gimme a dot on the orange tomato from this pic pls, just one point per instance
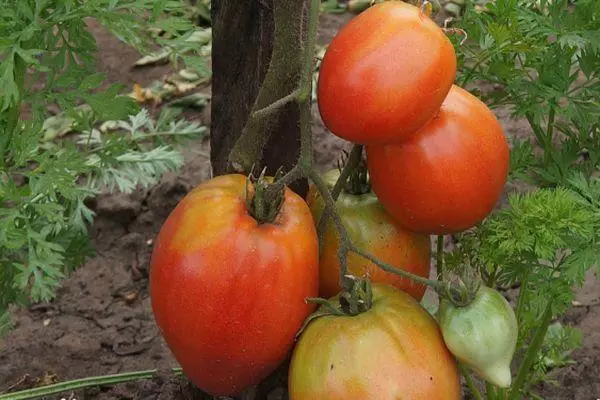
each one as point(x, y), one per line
point(372, 229)
point(228, 293)
point(385, 74)
point(395, 350)
point(447, 177)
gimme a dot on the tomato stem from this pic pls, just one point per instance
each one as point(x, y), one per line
point(283, 83)
point(470, 384)
point(276, 105)
point(400, 272)
point(347, 246)
point(77, 384)
point(490, 391)
point(265, 203)
point(531, 353)
point(350, 165)
point(440, 256)
point(358, 182)
point(352, 161)
point(345, 283)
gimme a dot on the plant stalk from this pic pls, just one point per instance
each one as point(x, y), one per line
point(531, 353)
point(490, 391)
point(521, 301)
point(77, 384)
point(470, 384)
point(351, 163)
point(304, 97)
point(278, 86)
point(440, 256)
point(344, 247)
point(400, 272)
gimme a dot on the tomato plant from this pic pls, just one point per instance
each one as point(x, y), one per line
point(448, 176)
point(371, 228)
point(217, 301)
point(222, 282)
point(394, 349)
point(482, 334)
point(385, 74)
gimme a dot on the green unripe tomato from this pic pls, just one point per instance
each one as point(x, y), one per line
point(482, 335)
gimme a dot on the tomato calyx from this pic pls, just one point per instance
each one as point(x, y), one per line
point(348, 303)
point(358, 182)
point(262, 202)
point(462, 287)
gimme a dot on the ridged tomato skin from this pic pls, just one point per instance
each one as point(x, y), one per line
point(372, 229)
point(228, 294)
point(393, 351)
point(450, 175)
point(385, 74)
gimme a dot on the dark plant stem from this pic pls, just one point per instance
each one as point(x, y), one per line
point(351, 163)
point(344, 247)
point(285, 66)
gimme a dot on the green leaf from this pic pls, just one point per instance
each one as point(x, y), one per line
point(136, 168)
point(29, 55)
point(10, 90)
point(25, 9)
point(92, 81)
point(107, 106)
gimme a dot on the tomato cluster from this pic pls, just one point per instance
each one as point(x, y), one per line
point(229, 288)
point(437, 156)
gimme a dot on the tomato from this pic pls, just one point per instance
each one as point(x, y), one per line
point(227, 292)
point(372, 229)
point(385, 74)
point(482, 335)
point(449, 176)
point(392, 351)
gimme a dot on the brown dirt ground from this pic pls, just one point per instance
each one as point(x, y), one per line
point(101, 322)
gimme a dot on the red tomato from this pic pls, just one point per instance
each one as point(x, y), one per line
point(385, 74)
point(372, 229)
point(394, 350)
point(449, 176)
point(227, 292)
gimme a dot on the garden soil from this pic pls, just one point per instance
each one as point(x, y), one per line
point(101, 321)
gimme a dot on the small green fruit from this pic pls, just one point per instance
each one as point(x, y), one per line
point(482, 335)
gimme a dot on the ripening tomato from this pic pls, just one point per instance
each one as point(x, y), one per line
point(447, 177)
point(385, 74)
point(372, 229)
point(221, 284)
point(392, 351)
